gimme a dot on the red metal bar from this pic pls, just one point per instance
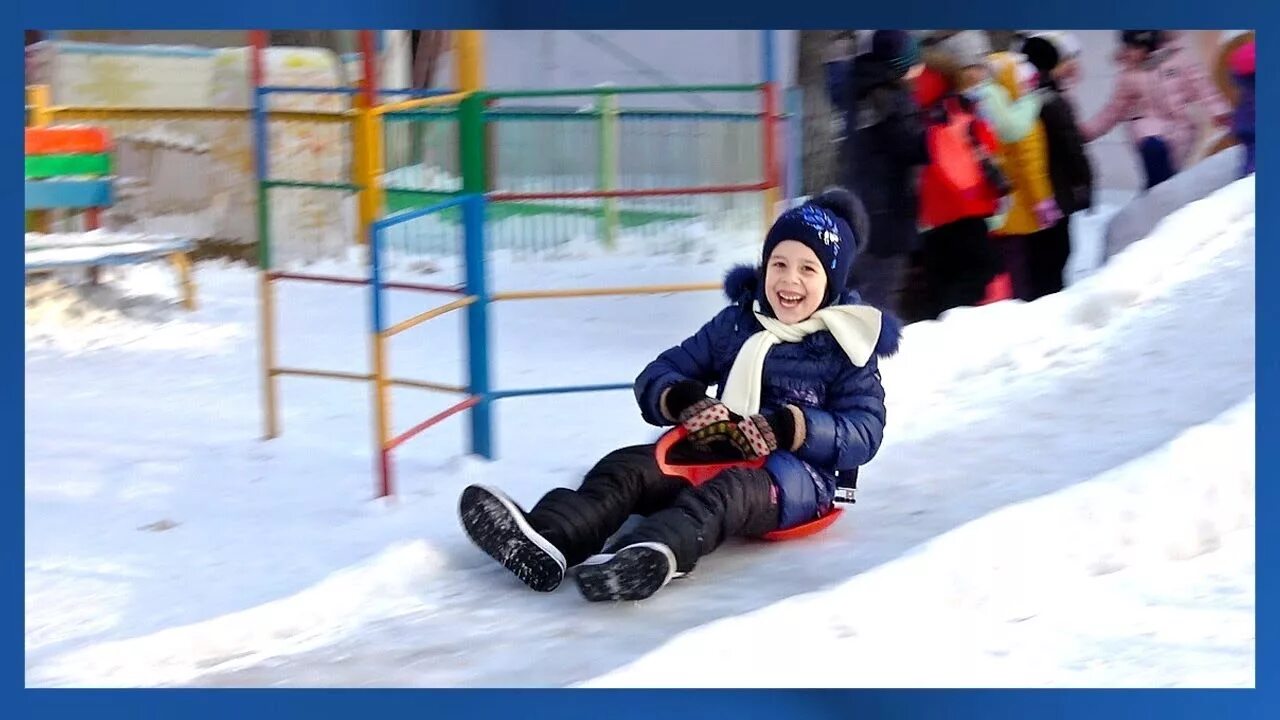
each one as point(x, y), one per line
point(502, 196)
point(338, 280)
point(369, 58)
point(770, 125)
point(334, 279)
point(257, 39)
point(434, 419)
point(384, 473)
point(453, 290)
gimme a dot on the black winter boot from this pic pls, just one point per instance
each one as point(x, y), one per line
point(497, 525)
point(736, 503)
point(567, 526)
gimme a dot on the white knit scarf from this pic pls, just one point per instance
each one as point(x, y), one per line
point(855, 327)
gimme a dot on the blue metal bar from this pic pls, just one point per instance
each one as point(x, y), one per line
point(375, 279)
point(477, 285)
point(766, 41)
point(308, 90)
point(500, 394)
point(405, 216)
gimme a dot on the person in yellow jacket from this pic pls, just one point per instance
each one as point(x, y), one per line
point(1025, 162)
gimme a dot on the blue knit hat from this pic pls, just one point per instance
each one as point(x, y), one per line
point(833, 225)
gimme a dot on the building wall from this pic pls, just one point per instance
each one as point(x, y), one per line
point(576, 58)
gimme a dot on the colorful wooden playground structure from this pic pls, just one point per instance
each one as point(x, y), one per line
point(474, 108)
point(68, 169)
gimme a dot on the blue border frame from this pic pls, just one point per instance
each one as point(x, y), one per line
point(738, 705)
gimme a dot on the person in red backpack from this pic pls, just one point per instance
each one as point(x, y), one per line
point(960, 189)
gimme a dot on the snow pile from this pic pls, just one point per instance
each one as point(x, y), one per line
point(66, 315)
point(1005, 600)
point(1044, 508)
point(384, 587)
point(1065, 330)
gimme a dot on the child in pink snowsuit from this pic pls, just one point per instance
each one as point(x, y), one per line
point(1157, 95)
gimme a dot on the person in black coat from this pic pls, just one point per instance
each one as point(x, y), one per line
point(884, 148)
point(1070, 174)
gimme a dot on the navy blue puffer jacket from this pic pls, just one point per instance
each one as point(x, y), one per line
point(843, 404)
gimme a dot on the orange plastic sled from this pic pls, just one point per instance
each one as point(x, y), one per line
point(698, 474)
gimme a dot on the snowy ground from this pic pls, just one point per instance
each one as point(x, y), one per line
point(1064, 497)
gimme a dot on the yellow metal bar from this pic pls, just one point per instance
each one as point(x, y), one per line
point(424, 385)
point(374, 156)
point(593, 292)
point(330, 374)
point(182, 264)
point(772, 196)
point(469, 65)
point(365, 172)
point(423, 317)
point(267, 331)
point(38, 99)
point(360, 174)
point(450, 99)
point(161, 113)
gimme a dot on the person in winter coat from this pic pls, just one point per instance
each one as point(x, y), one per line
point(1025, 161)
point(1243, 64)
point(957, 259)
point(1158, 98)
point(795, 360)
point(1040, 262)
point(884, 148)
point(962, 58)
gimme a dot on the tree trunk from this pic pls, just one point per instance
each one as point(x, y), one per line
point(427, 48)
point(819, 150)
point(1001, 39)
point(327, 39)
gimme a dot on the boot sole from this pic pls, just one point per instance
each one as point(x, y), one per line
point(497, 526)
point(633, 573)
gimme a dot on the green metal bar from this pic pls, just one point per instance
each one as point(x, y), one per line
point(46, 166)
point(636, 90)
point(424, 193)
point(501, 114)
point(689, 114)
point(310, 185)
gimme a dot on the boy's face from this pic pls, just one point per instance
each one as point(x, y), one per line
point(794, 282)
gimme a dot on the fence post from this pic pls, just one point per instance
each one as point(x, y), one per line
point(266, 292)
point(469, 74)
point(607, 107)
point(378, 347)
point(769, 98)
